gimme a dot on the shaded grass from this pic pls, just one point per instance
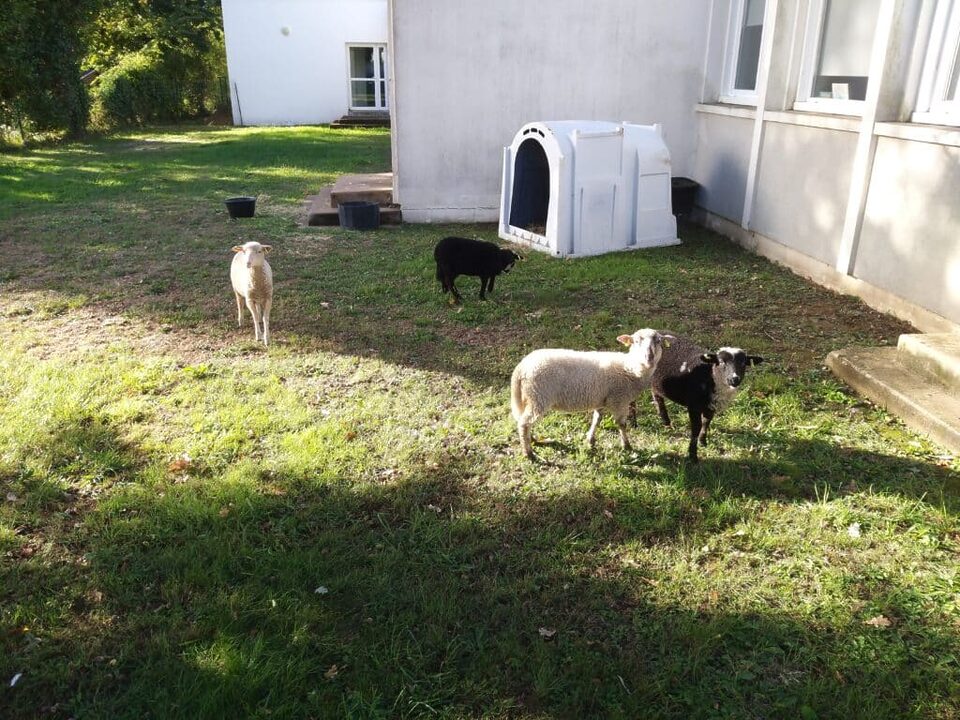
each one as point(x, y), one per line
point(174, 496)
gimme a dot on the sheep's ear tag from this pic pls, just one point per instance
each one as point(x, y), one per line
point(666, 343)
point(237, 248)
point(625, 339)
point(710, 358)
point(267, 248)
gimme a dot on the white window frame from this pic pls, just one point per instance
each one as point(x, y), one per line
point(938, 67)
point(731, 57)
point(806, 102)
point(381, 99)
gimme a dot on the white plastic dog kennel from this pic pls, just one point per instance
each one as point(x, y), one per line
point(577, 188)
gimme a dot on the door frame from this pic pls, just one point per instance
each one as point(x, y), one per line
point(379, 51)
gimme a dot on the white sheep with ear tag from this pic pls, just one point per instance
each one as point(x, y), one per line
point(575, 381)
point(252, 281)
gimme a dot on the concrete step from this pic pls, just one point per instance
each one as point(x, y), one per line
point(361, 119)
point(918, 398)
point(935, 353)
point(369, 187)
point(322, 212)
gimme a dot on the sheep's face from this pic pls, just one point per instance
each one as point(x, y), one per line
point(646, 347)
point(730, 364)
point(253, 252)
point(507, 259)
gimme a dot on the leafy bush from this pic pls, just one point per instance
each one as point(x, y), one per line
point(40, 52)
point(148, 85)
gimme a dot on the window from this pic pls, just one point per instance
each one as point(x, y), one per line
point(368, 77)
point(938, 99)
point(743, 51)
point(836, 57)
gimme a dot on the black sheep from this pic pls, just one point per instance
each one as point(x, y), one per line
point(463, 256)
point(703, 382)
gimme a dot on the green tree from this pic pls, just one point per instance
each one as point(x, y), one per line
point(41, 49)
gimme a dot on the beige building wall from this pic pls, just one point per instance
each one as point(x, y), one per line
point(910, 241)
point(803, 182)
point(722, 162)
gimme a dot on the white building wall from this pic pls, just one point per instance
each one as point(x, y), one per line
point(298, 77)
point(468, 75)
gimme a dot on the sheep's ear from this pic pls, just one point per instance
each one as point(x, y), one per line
point(754, 359)
point(267, 248)
point(710, 358)
point(625, 339)
point(237, 248)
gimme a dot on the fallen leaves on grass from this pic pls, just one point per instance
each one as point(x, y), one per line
point(331, 672)
point(547, 633)
point(854, 530)
point(880, 621)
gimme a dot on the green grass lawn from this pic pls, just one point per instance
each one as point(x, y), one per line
point(343, 526)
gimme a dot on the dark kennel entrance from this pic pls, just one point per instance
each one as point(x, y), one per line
point(531, 188)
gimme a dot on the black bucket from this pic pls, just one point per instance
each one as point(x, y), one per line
point(359, 215)
point(683, 193)
point(241, 207)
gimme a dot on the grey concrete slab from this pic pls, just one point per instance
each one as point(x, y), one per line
point(936, 353)
point(920, 399)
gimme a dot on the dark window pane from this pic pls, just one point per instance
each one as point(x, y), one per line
point(845, 46)
point(748, 57)
point(363, 93)
point(361, 62)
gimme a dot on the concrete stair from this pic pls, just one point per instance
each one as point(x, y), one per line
point(360, 118)
point(919, 381)
point(371, 187)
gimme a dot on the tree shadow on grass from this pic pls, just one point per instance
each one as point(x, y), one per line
point(430, 595)
point(776, 464)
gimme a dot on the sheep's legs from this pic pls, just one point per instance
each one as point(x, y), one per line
point(524, 431)
point(266, 321)
point(707, 417)
point(592, 432)
point(661, 409)
point(239, 299)
point(255, 313)
point(696, 424)
point(486, 286)
point(622, 418)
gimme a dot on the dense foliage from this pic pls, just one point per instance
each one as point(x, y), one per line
point(41, 50)
point(156, 60)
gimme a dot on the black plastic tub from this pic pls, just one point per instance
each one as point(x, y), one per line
point(359, 215)
point(683, 194)
point(241, 207)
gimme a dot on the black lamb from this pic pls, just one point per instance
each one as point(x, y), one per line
point(463, 256)
point(703, 382)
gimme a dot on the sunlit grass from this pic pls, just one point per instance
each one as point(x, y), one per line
point(342, 525)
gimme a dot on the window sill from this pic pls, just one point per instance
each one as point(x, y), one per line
point(744, 100)
point(728, 110)
point(935, 134)
point(845, 108)
point(817, 120)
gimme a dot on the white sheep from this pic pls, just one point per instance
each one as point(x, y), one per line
point(574, 381)
point(252, 281)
